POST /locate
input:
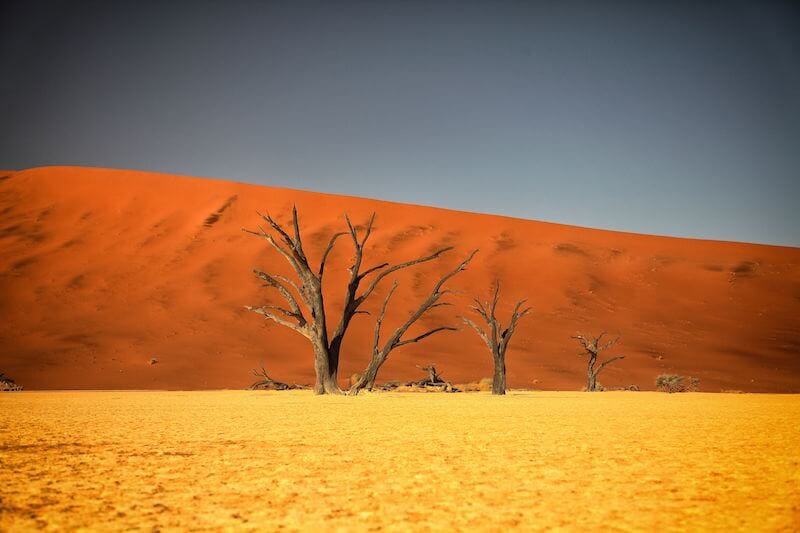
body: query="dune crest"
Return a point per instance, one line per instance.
(104, 270)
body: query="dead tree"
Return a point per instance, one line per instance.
(497, 338)
(592, 348)
(267, 383)
(434, 379)
(433, 376)
(381, 353)
(312, 322)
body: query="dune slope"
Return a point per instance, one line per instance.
(102, 271)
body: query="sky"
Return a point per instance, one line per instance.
(674, 118)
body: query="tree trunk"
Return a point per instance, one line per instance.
(432, 377)
(591, 386)
(333, 357)
(591, 383)
(330, 386)
(499, 380)
(325, 380)
(367, 381)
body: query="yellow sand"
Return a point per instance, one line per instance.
(258, 460)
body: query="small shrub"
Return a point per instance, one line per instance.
(675, 383)
(8, 384)
(669, 382)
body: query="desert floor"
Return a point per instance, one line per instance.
(532, 460)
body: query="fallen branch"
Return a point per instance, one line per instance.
(267, 383)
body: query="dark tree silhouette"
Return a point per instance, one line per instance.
(495, 337)
(381, 353)
(312, 322)
(592, 348)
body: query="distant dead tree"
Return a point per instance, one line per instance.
(496, 337)
(381, 353)
(312, 322)
(433, 376)
(592, 348)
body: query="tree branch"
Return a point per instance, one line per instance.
(481, 310)
(395, 268)
(379, 320)
(379, 355)
(285, 253)
(298, 244)
(604, 363)
(303, 330)
(426, 334)
(287, 295)
(371, 270)
(295, 254)
(609, 344)
(328, 251)
(477, 328)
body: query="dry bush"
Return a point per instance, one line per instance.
(7, 384)
(676, 383)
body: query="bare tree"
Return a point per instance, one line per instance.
(497, 338)
(381, 353)
(433, 376)
(592, 348)
(311, 322)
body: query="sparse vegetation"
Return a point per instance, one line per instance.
(433, 383)
(676, 383)
(7, 384)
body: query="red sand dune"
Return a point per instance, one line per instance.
(102, 270)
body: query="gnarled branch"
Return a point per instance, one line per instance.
(301, 329)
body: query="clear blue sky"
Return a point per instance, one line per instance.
(674, 118)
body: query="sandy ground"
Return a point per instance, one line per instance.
(530, 460)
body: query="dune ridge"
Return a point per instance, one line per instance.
(104, 270)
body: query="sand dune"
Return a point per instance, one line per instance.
(103, 270)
